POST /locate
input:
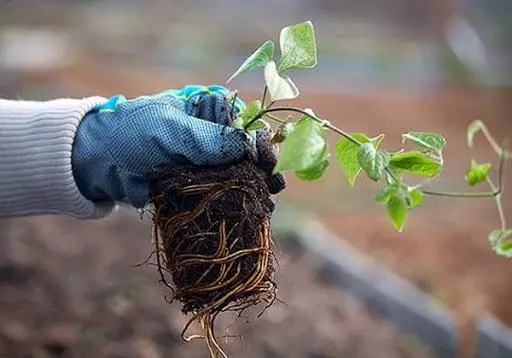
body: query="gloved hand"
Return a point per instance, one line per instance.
(118, 143)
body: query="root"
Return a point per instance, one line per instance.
(212, 237)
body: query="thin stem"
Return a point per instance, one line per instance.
(494, 193)
(499, 206)
(274, 118)
(263, 97)
(233, 101)
(461, 195)
(325, 123)
(328, 125)
(501, 213)
(500, 151)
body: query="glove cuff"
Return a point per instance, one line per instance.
(36, 175)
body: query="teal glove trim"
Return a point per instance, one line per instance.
(185, 94)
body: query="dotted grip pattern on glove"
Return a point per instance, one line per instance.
(117, 146)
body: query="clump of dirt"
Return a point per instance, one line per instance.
(213, 240)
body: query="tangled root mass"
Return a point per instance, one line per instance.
(213, 240)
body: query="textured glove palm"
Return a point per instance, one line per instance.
(118, 144)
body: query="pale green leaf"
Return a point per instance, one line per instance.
(304, 147)
(416, 162)
(397, 211)
(477, 173)
(314, 172)
(251, 110)
(416, 198)
(346, 154)
(372, 160)
(432, 141)
(501, 241)
(258, 58)
(298, 46)
(279, 87)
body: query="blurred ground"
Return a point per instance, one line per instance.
(69, 290)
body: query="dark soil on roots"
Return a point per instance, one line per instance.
(213, 240)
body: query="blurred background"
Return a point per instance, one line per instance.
(69, 289)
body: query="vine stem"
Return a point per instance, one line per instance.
(497, 198)
(263, 97)
(499, 206)
(324, 122)
(501, 151)
(496, 191)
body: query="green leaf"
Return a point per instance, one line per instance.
(252, 109)
(416, 162)
(279, 87)
(372, 160)
(304, 147)
(314, 172)
(386, 193)
(416, 198)
(258, 58)
(473, 128)
(505, 249)
(432, 141)
(397, 211)
(501, 241)
(298, 46)
(477, 173)
(346, 154)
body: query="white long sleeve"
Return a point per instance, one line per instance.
(36, 177)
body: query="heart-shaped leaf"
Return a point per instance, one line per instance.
(372, 160)
(279, 87)
(416, 162)
(258, 58)
(432, 141)
(304, 148)
(298, 46)
(346, 154)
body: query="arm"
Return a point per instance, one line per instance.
(80, 157)
(36, 177)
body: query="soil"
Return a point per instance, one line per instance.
(70, 288)
(212, 237)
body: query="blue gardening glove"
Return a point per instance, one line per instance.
(118, 143)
